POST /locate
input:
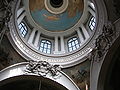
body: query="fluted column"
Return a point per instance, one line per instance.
(85, 32)
(21, 18)
(62, 44)
(36, 43)
(91, 11)
(32, 35)
(56, 44)
(81, 38)
(20, 11)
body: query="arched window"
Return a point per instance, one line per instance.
(92, 23)
(45, 46)
(23, 29)
(73, 44)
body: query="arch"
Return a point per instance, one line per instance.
(20, 71)
(108, 65)
(29, 82)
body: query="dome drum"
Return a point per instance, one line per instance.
(33, 43)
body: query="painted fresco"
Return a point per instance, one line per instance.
(56, 22)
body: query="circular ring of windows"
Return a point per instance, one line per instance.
(57, 42)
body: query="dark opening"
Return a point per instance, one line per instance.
(30, 83)
(56, 3)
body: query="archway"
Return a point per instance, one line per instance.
(109, 73)
(30, 82)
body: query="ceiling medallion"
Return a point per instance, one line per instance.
(56, 15)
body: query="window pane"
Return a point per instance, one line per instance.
(24, 32)
(77, 46)
(44, 50)
(70, 49)
(70, 40)
(42, 45)
(92, 27)
(49, 46)
(73, 43)
(76, 42)
(48, 51)
(74, 48)
(93, 24)
(74, 38)
(22, 29)
(41, 49)
(45, 45)
(69, 45)
(20, 26)
(22, 35)
(92, 5)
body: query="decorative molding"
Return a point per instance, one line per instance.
(62, 60)
(103, 42)
(43, 68)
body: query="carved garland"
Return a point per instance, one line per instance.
(43, 68)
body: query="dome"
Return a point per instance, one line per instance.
(49, 29)
(87, 51)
